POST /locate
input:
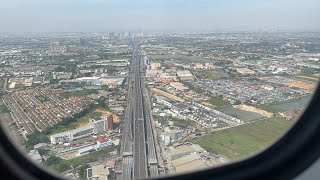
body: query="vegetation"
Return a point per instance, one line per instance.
(57, 164)
(61, 165)
(66, 124)
(271, 106)
(4, 109)
(112, 174)
(195, 89)
(35, 139)
(245, 140)
(43, 152)
(178, 120)
(91, 157)
(211, 74)
(52, 160)
(305, 71)
(42, 98)
(268, 107)
(82, 171)
(216, 101)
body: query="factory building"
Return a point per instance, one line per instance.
(71, 135)
(95, 127)
(81, 133)
(98, 125)
(61, 137)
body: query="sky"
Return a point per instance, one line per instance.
(158, 15)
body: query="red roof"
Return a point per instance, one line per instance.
(102, 139)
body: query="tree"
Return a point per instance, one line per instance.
(63, 167)
(82, 171)
(52, 160)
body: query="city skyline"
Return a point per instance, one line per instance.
(166, 16)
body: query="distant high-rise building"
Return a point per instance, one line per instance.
(146, 61)
(82, 42)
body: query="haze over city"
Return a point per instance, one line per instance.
(158, 15)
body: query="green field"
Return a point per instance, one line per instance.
(188, 122)
(272, 107)
(216, 101)
(245, 140)
(211, 74)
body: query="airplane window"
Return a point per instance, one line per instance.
(143, 89)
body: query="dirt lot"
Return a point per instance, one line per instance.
(116, 119)
(311, 78)
(255, 110)
(168, 95)
(300, 84)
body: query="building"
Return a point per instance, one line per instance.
(81, 133)
(98, 125)
(178, 86)
(185, 75)
(103, 142)
(61, 75)
(146, 61)
(98, 172)
(198, 66)
(40, 145)
(61, 137)
(86, 150)
(71, 135)
(245, 71)
(95, 127)
(188, 163)
(180, 108)
(155, 66)
(35, 156)
(152, 73)
(166, 138)
(176, 135)
(165, 101)
(109, 120)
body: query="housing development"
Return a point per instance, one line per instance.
(137, 105)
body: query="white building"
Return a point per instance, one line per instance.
(71, 135)
(61, 137)
(99, 125)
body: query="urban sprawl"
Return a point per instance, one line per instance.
(133, 105)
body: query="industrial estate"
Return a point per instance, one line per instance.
(137, 105)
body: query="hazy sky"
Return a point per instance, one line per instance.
(157, 15)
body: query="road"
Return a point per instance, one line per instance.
(137, 145)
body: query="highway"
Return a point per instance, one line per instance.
(139, 158)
